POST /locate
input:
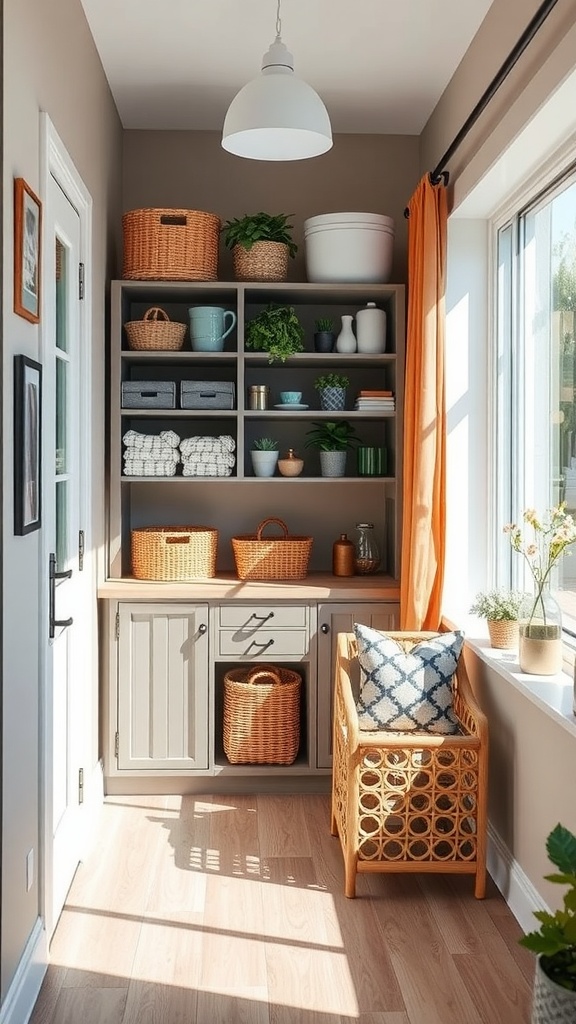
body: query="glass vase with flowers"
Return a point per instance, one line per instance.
(540, 618)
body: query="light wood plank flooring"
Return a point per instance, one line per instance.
(215, 910)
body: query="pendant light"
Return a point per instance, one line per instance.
(277, 116)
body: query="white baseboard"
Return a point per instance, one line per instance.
(516, 888)
(23, 992)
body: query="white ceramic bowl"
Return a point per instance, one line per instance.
(353, 247)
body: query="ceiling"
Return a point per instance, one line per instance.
(380, 67)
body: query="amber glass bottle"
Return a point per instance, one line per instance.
(343, 556)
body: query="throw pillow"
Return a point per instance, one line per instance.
(405, 692)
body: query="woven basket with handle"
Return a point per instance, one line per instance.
(271, 558)
(261, 715)
(170, 245)
(155, 332)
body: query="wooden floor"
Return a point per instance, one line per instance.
(220, 910)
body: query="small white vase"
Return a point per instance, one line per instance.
(346, 340)
(371, 329)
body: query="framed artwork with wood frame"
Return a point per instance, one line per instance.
(27, 444)
(27, 252)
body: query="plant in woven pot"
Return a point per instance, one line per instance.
(264, 455)
(332, 439)
(500, 608)
(554, 995)
(332, 390)
(275, 330)
(261, 244)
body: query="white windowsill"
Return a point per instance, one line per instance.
(552, 694)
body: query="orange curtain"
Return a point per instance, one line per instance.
(424, 499)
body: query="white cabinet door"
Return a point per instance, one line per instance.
(334, 619)
(163, 687)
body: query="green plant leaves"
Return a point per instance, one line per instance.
(277, 331)
(561, 849)
(555, 941)
(259, 227)
(332, 436)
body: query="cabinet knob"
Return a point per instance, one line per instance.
(202, 628)
(324, 628)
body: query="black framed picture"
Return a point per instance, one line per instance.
(27, 444)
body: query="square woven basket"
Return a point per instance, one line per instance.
(259, 558)
(170, 245)
(261, 715)
(174, 552)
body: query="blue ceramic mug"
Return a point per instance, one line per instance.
(208, 327)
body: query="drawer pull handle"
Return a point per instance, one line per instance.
(263, 647)
(262, 618)
(324, 628)
(202, 628)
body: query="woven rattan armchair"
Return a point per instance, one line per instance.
(408, 801)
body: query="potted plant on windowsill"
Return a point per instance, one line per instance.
(277, 331)
(332, 439)
(332, 390)
(554, 996)
(261, 244)
(500, 608)
(264, 456)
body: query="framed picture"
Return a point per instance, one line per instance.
(27, 444)
(27, 241)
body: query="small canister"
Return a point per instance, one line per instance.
(343, 557)
(258, 396)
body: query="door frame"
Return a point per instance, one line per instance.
(55, 162)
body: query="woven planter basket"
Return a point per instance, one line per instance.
(265, 261)
(284, 558)
(503, 634)
(261, 715)
(170, 245)
(174, 552)
(155, 332)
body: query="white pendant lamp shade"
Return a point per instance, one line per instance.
(277, 116)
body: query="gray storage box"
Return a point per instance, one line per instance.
(207, 394)
(148, 394)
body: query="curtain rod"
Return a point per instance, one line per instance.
(439, 174)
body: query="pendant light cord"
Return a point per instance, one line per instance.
(278, 23)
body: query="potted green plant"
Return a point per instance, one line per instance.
(261, 244)
(332, 439)
(500, 608)
(332, 389)
(324, 334)
(554, 996)
(264, 456)
(277, 331)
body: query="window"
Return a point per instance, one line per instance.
(536, 373)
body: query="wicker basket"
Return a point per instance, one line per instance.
(504, 634)
(173, 552)
(155, 332)
(284, 558)
(261, 715)
(170, 245)
(265, 261)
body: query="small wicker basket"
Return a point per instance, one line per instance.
(284, 558)
(174, 552)
(504, 634)
(155, 332)
(261, 715)
(170, 245)
(265, 261)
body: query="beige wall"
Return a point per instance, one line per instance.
(190, 170)
(50, 64)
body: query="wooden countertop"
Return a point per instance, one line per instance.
(223, 587)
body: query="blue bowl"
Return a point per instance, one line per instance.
(290, 397)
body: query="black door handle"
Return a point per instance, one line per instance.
(324, 628)
(53, 576)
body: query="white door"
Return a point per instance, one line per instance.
(64, 442)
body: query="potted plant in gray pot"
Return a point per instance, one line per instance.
(554, 996)
(332, 439)
(324, 334)
(264, 456)
(332, 390)
(261, 244)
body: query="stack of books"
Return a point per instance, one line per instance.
(374, 401)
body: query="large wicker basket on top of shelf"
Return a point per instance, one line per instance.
(170, 245)
(174, 552)
(271, 558)
(261, 715)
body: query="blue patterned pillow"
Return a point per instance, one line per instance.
(405, 692)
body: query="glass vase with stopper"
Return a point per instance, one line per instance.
(367, 558)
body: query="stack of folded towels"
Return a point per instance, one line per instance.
(208, 456)
(151, 454)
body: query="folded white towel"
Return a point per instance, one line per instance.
(191, 468)
(149, 467)
(149, 443)
(218, 458)
(223, 443)
(160, 454)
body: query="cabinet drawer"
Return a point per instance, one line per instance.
(265, 643)
(251, 617)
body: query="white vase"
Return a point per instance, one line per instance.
(540, 632)
(371, 329)
(346, 340)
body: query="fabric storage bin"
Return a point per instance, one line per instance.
(148, 394)
(207, 394)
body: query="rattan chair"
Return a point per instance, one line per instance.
(411, 802)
